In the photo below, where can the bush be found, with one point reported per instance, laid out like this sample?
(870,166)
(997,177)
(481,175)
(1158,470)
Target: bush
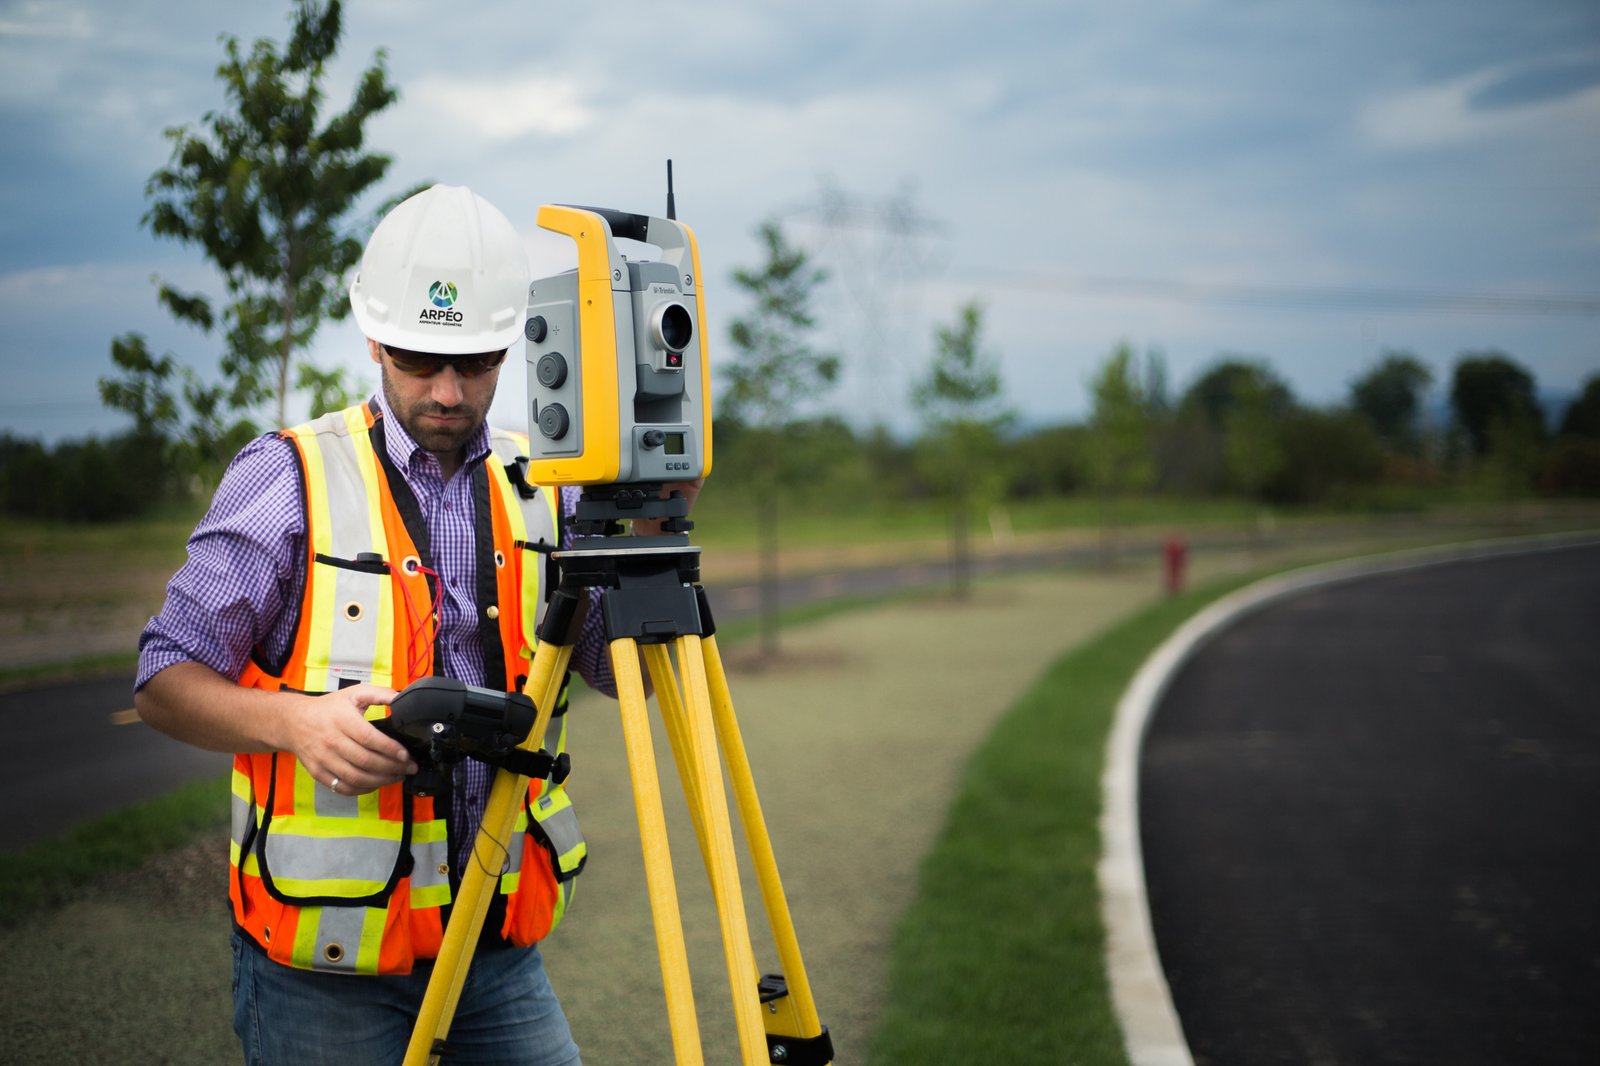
(88,480)
(1571,468)
(1327,454)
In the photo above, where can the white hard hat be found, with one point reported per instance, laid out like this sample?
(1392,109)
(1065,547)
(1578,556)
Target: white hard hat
(444,272)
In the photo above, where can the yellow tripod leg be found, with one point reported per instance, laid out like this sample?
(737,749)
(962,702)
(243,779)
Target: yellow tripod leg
(478,882)
(792,1014)
(799,996)
(721,864)
(659,879)
(670,698)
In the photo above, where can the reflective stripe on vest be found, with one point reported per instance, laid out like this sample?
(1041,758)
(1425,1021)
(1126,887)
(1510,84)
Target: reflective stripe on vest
(356,883)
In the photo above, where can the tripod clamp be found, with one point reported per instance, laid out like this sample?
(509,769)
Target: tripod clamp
(602,508)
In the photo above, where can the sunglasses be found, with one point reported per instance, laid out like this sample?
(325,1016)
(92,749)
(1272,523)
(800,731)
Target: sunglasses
(425,365)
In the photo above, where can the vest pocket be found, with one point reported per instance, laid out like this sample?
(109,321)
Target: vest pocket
(351,598)
(540,881)
(309,860)
(330,849)
(553,823)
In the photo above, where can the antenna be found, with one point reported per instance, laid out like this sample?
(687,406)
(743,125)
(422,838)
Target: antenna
(672,206)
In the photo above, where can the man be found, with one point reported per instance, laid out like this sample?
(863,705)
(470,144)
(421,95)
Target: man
(340,561)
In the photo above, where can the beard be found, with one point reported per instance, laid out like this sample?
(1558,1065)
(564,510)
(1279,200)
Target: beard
(442,440)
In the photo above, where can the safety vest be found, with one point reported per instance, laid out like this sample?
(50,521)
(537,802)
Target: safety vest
(361,884)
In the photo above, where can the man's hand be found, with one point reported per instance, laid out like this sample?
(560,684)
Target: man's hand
(328,733)
(335,742)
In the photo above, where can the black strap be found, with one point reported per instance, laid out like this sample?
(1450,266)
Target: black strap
(517,474)
(540,764)
(405,502)
(487,592)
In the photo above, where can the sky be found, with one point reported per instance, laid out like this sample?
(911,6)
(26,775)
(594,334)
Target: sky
(1306,184)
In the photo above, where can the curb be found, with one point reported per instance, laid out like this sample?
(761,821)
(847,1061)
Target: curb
(1151,1031)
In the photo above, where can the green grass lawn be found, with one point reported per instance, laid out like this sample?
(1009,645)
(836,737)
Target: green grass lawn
(1000,958)
(52,871)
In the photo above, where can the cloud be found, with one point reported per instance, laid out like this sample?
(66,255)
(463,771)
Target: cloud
(1479,107)
(1539,82)
(46,22)
(504,109)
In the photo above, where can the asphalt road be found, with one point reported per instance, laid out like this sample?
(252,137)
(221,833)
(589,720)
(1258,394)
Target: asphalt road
(76,755)
(1370,817)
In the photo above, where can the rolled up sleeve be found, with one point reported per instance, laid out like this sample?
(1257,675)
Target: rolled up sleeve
(240,584)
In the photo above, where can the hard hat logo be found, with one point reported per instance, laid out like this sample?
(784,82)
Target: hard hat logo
(443,294)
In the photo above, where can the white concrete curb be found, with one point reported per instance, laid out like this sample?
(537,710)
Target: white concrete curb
(1139,992)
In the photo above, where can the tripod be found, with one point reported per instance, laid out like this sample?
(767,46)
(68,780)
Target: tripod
(651,601)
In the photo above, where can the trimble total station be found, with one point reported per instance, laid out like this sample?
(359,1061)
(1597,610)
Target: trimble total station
(619,384)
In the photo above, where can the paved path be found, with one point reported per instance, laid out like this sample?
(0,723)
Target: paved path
(86,755)
(1369,820)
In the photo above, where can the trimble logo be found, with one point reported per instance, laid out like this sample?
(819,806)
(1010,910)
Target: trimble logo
(443,295)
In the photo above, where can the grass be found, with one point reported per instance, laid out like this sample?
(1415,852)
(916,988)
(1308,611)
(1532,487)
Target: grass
(66,670)
(1000,957)
(50,872)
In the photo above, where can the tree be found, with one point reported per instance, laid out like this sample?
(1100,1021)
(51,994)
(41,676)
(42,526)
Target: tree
(265,190)
(1121,427)
(1253,437)
(1489,388)
(1328,455)
(776,371)
(1389,397)
(960,403)
(1583,417)
(1232,381)
(1234,414)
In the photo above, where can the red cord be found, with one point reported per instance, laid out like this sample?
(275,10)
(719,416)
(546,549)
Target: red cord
(419,664)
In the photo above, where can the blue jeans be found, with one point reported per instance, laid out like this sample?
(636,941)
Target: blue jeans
(507,1014)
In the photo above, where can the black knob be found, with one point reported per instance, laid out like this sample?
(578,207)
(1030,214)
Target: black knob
(553,421)
(653,438)
(551,370)
(536,329)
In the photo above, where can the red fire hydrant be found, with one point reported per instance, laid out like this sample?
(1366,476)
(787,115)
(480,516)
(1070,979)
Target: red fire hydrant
(1173,554)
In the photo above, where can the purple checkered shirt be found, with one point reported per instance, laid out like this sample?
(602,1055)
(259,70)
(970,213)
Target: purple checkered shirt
(241,586)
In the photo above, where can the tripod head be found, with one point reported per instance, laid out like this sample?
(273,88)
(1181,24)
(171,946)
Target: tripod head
(603,508)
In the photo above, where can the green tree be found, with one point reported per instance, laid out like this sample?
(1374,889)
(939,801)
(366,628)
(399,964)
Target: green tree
(1121,434)
(1389,397)
(1228,428)
(1328,456)
(962,409)
(1494,402)
(1048,461)
(1253,438)
(265,188)
(1489,389)
(1232,381)
(1572,466)
(776,371)
(1582,419)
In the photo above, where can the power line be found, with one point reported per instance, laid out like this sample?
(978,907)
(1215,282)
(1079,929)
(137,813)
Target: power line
(1300,297)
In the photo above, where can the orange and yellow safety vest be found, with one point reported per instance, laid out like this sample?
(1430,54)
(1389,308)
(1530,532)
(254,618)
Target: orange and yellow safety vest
(361,884)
